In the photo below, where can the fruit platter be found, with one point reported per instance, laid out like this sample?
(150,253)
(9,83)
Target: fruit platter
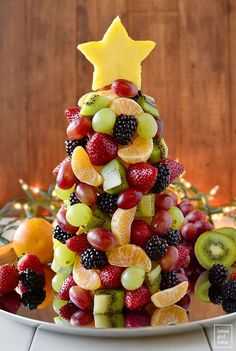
(124,251)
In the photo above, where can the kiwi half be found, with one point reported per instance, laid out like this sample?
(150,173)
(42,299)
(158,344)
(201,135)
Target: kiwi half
(228,231)
(93,103)
(108,301)
(202,286)
(148,104)
(213,248)
(115,320)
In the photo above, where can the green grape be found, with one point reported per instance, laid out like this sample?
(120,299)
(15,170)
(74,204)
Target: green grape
(64,194)
(59,269)
(147,126)
(57,281)
(64,256)
(58,303)
(177,217)
(61,321)
(103,121)
(78,215)
(132,278)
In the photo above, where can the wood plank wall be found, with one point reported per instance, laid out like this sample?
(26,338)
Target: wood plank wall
(192,74)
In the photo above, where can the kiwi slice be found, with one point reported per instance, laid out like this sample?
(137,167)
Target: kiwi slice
(115,320)
(114,175)
(108,301)
(148,105)
(202,286)
(93,103)
(228,231)
(153,279)
(98,219)
(59,269)
(213,248)
(159,151)
(146,206)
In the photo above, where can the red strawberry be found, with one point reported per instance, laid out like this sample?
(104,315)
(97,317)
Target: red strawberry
(72,113)
(136,319)
(137,298)
(32,262)
(67,284)
(233,275)
(176,168)
(56,169)
(184,258)
(10,302)
(9,278)
(140,232)
(78,243)
(142,176)
(68,310)
(111,276)
(101,149)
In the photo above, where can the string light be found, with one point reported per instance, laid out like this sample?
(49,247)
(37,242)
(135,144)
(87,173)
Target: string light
(52,207)
(54,194)
(35,190)
(214,190)
(17,206)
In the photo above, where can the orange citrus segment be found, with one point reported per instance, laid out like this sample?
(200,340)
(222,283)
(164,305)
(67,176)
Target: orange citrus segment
(169,315)
(139,151)
(83,168)
(121,225)
(85,278)
(130,255)
(170,296)
(126,106)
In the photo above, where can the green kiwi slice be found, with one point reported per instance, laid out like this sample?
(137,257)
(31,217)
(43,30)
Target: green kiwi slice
(94,103)
(148,105)
(153,279)
(202,286)
(114,175)
(213,248)
(159,151)
(115,320)
(108,301)
(228,231)
(146,206)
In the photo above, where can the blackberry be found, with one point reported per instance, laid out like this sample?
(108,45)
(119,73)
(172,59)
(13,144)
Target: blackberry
(173,237)
(92,258)
(124,129)
(70,144)
(137,96)
(74,199)
(155,247)
(163,177)
(33,298)
(230,290)
(215,294)
(169,279)
(229,305)
(218,274)
(61,235)
(31,279)
(107,203)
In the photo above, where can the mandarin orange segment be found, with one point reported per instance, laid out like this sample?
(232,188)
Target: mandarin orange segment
(126,106)
(170,296)
(130,255)
(139,151)
(121,225)
(83,168)
(87,279)
(169,315)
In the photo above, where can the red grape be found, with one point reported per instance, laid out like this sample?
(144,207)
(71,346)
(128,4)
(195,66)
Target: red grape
(61,220)
(190,246)
(124,88)
(81,318)
(86,194)
(101,239)
(129,198)
(203,226)
(195,216)
(163,202)
(81,297)
(184,302)
(79,128)
(174,197)
(185,206)
(169,260)
(65,177)
(189,232)
(161,222)
(160,127)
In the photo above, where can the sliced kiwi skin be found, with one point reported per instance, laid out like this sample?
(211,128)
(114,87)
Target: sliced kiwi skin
(93,103)
(146,206)
(112,298)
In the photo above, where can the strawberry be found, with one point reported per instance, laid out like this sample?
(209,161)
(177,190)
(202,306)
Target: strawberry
(140,232)
(56,169)
(9,278)
(30,261)
(68,310)
(10,302)
(111,276)
(136,319)
(233,275)
(78,243)
(176,168)
(184,258)
(137,298)
(72,113)
(142,176)
(101,149)
(67,284)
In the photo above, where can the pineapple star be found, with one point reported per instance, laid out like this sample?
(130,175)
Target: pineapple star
(116,56)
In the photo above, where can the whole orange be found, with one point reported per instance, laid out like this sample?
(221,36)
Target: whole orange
(34,235)
(49,274)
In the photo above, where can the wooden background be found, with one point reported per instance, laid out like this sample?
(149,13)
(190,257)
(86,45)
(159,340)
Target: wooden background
(192,74)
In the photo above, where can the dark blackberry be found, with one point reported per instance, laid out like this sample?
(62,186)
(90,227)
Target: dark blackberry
(107,203)
(31,279)
(163,177)
(33,298)
(229,305)
(92,258)
(215,294)
(230,290)
(61,235)
(74,199)
(218,274)
(173,237)
(124,129)
(70,144)
(137,96)
(155,247)
(169,279)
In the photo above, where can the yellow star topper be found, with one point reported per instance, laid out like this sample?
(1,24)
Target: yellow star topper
(116,56)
